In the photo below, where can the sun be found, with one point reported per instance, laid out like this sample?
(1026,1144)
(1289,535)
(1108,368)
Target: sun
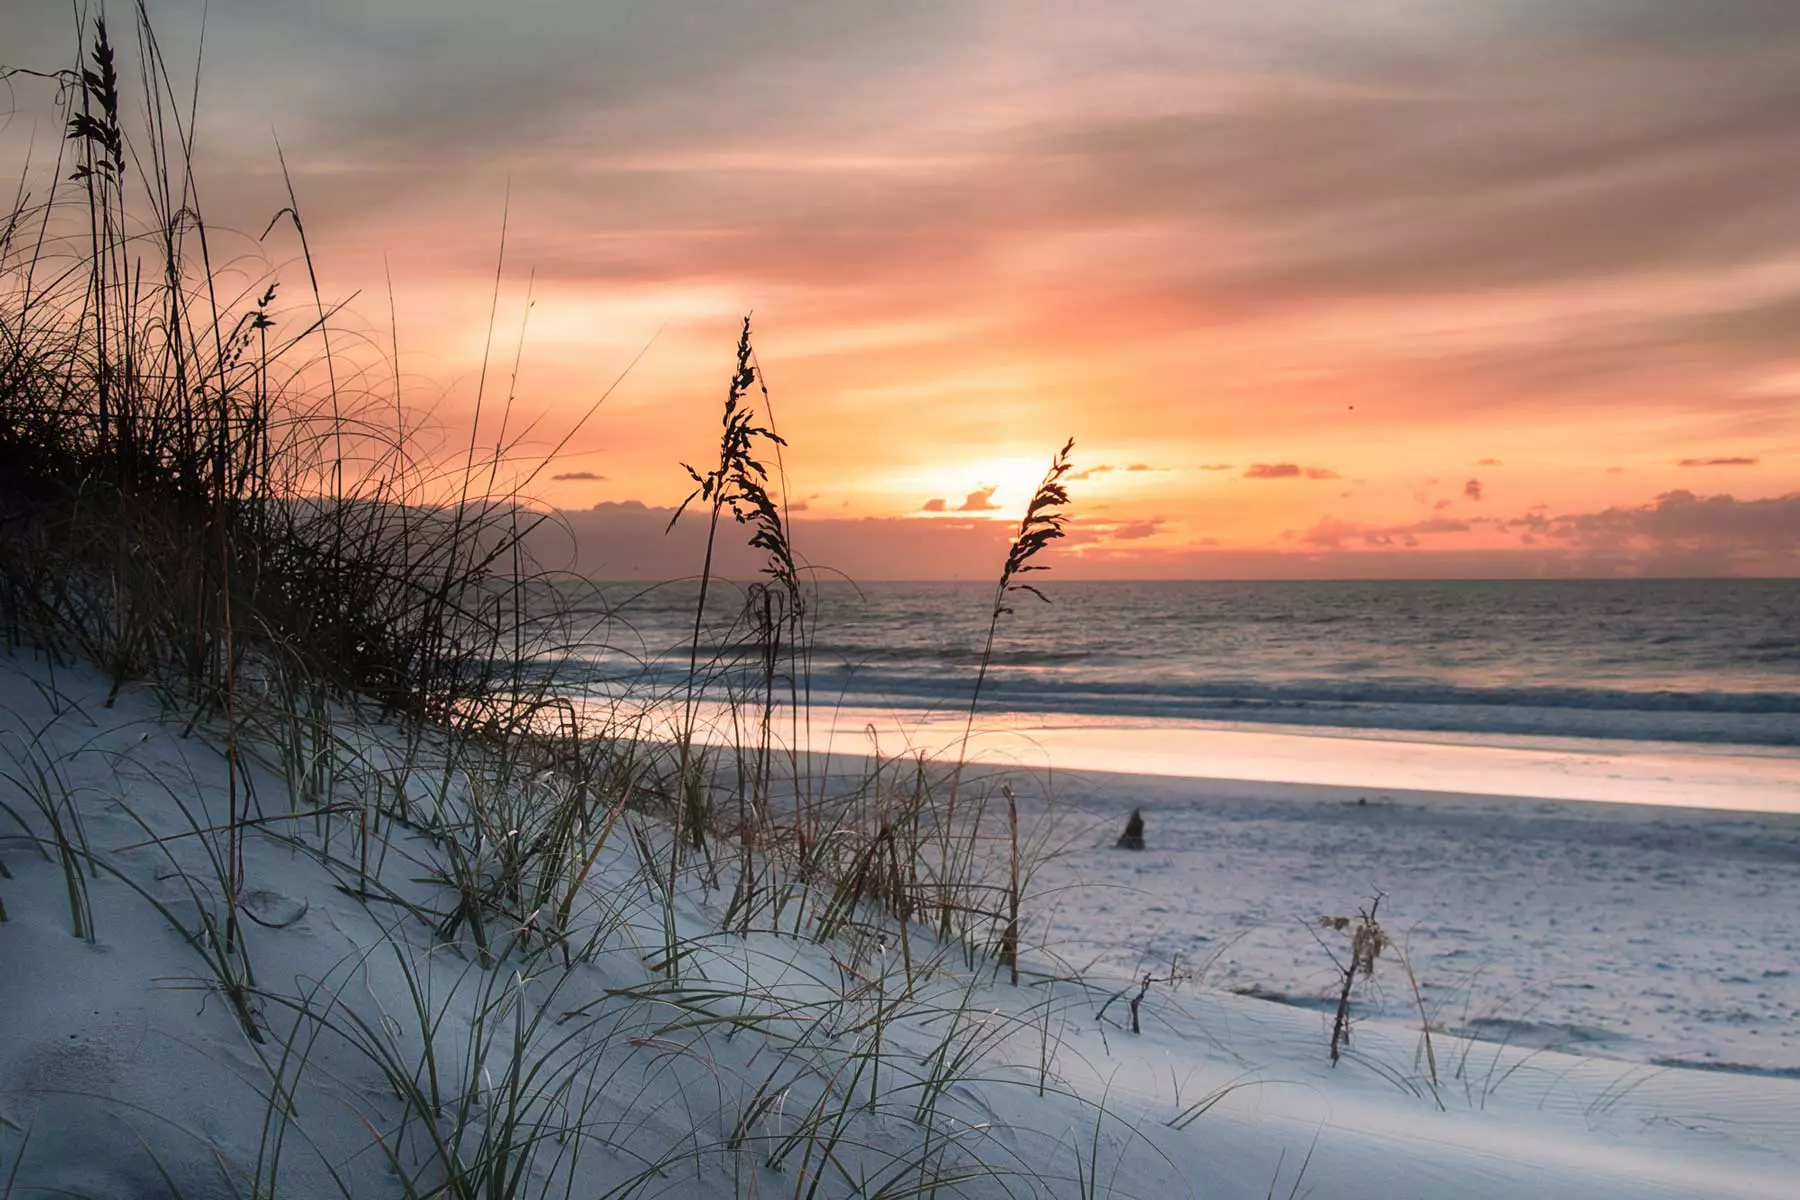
(993,488)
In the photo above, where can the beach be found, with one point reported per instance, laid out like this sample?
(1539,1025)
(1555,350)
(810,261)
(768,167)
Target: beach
(1245,644)
(1578,962)
(1652,934)
(1636,900)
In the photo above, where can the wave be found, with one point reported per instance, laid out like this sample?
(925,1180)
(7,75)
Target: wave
(1749,717)
(1651,660)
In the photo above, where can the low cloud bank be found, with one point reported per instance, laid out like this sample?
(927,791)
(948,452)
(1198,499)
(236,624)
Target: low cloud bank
(1677,533)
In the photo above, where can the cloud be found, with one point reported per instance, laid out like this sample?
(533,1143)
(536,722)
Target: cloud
(1683,521)
(1718,462)
(1331,532)
(1215,466)
(1536,519)
(979,500)
(1105,468)
(1408,535)
(1472,489)
(1488,462)
(1450,170)
(936,504)
(1437,525)
(1676,533)
(573,476)
(1453,140)
(1288,471)
(1133,530)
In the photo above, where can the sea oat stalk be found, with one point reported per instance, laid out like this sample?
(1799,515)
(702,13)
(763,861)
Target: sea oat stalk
(1042,524)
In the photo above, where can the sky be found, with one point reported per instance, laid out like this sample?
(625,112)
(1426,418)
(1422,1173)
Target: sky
(1395,289)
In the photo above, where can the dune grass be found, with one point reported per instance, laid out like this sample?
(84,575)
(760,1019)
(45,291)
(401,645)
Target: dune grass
(206,498)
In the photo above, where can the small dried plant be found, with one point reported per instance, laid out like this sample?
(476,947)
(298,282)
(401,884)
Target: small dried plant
(1367,941)
(1175,977)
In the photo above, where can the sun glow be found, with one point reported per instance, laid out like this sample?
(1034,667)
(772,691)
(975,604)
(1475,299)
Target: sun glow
(990,488)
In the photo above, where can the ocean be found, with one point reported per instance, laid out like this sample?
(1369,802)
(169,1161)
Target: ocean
(1714,661)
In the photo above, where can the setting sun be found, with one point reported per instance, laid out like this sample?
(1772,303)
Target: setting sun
(994,488)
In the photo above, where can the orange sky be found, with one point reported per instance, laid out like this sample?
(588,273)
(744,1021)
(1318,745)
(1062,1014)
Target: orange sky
(1418,288)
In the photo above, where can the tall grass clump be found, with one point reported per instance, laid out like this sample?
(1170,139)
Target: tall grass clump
(737,486)
(201,492)
(774,614)
(189,482)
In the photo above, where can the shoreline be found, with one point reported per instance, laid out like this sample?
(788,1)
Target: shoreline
(1639,911)
(1678,775)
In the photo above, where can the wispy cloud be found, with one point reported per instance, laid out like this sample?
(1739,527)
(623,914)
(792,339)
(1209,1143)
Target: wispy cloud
(1108,468)
(573,476)
(1133,530)
(1332,532)
(1734,461)
(1288,471)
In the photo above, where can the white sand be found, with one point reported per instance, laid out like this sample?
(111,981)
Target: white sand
(1638,932)
(115,1053)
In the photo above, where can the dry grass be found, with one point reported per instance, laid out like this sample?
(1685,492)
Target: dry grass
(1367,940)
(202,493)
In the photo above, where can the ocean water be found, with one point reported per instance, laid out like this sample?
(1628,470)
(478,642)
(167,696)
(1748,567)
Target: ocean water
(1713,661)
